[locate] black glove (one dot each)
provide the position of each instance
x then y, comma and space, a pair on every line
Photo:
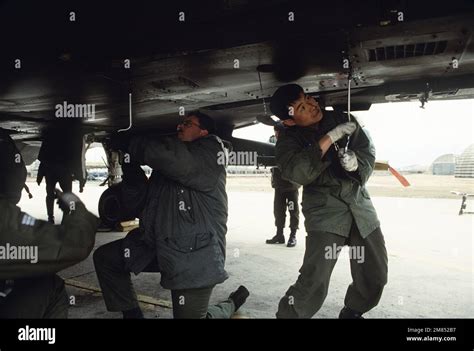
67, 201
82, 183
40, 175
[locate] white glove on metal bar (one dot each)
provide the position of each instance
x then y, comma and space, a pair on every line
341, 131
348, 160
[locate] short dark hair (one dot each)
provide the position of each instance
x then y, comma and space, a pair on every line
206, 122
282, 98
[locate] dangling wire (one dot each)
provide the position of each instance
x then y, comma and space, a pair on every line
349, 79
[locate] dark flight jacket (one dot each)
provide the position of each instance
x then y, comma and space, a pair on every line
185, 214
281, 184
332, 197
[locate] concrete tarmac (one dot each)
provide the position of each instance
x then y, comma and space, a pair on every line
430, 250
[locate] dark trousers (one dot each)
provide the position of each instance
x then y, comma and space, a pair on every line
369, 276
42, 297
283, 200
194, 304
52, 178
119, 294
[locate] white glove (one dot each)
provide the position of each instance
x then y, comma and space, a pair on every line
342, 130
348, 160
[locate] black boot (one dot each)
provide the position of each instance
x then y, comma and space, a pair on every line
134, 313
279, 238
51, 219
347, 313
292, 239
239, 296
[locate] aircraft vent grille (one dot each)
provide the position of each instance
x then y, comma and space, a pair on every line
396, 52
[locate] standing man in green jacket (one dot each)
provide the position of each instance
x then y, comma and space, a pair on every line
336, 205
182, 225
286, 196
32, 251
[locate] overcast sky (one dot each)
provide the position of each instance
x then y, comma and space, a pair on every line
404, 134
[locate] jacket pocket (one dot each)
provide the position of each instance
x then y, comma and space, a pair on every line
314, 199
190, 261
189, 243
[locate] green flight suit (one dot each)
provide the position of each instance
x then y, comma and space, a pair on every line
29, 287
338, 211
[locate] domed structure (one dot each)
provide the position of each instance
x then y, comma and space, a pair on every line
444, 165
465, 164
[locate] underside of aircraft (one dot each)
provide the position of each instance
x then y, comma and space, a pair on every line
143, 67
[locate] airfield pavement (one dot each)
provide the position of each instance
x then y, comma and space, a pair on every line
430, 251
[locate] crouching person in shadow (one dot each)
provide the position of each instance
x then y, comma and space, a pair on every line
32, 251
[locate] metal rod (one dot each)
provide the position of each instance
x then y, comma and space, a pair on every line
261, 90
129, 113
348, 106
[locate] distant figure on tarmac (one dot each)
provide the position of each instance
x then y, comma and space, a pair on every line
286, 196
12, 167
61, 157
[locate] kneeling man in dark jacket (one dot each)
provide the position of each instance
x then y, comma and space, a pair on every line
182, 225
